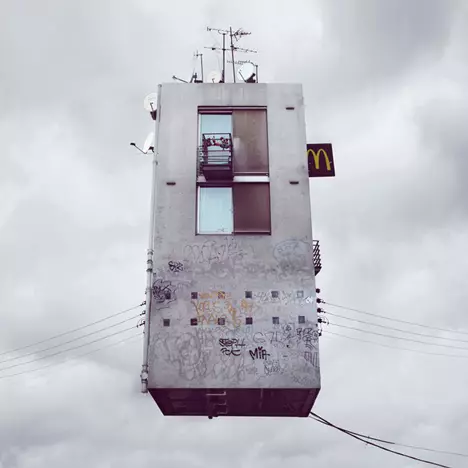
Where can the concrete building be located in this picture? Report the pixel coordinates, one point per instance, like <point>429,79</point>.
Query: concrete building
<point>232,328</point>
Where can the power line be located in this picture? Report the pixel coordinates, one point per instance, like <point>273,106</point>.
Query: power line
<point>32,353</point>
<point>327,332</point>
<point>71,331</point>
<point>66,350</point>
<point>321,420</point>
<point>395,320</point>
<point>395,329</point>
<point>53,364</point>
<point>398,337</point>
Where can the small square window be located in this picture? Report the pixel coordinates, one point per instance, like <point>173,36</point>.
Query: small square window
<point>221,295</point>
<point>299,294</point>
<point>167,322</point>
<point>167,294</point>
<point>221,321</point>
<point>275,294</point>
<point>301,318</point>
<point>193,321</point>
<point>248,294</point>
<point>248,320</point>
<point>275,320</point>
<point>194,295</point>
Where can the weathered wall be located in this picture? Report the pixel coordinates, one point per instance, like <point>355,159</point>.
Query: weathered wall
<point>206,277</point>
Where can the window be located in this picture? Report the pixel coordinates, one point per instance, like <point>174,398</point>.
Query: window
<point>215,210</point>
<point>233,182</point>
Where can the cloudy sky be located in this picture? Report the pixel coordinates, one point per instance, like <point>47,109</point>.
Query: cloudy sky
<point>386,81</point>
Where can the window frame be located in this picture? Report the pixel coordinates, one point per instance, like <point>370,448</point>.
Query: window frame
<point>239,178</point>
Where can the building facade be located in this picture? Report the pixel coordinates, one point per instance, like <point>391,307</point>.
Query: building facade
<point>232,328</point>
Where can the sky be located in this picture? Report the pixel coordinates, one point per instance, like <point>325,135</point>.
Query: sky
<point>385,81</point>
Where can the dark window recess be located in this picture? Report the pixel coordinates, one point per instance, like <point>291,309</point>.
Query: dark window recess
<point>221,295</point>
<point>167,322</point>
<point>275,320</point>
<point>249,128</point>
<point>248,294</point>
<point>275,294</point>
<point>193,321</point>
<point>251,202</point>
<point>301,319</point>
<point>300,294</point>
<point>194,295</point>
<point>221,321</point>
<point>248,320</point>
<point>167,294</point>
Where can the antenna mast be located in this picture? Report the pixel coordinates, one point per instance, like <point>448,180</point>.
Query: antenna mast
<point>234,36</point>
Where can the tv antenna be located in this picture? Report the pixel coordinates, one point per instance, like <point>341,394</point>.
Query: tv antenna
<point>234,36</point>
<point>197,54</point>
<point>147,146</point>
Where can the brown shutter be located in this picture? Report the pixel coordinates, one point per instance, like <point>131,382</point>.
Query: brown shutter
<point>250,142</point>
<point>251,202</point>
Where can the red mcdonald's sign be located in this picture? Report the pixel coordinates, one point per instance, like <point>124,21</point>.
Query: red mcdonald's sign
<point>320,160</point>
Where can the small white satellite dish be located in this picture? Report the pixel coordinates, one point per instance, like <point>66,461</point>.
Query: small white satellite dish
<point>149,143</point>
<point>214,77</point>
<point>150,102</point>
<point>247,71</point>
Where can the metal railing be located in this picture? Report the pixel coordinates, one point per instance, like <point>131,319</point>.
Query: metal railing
<point>215,151</point>
<point>316,256</point>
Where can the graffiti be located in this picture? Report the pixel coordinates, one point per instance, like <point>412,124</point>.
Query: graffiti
<point>175,267</point>
<point>213,252</point>
<point>212,306</point>
<point>163,292</point>
<point>231,346</point>
<point>259,353</point>
<point>282,297</point>
<point>309,336</point>
<point>312,358</point>
<point>272,367</point>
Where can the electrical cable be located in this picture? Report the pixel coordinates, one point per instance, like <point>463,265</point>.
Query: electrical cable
<point>32,353</point>
<point>40,358</point>
<point>395,329</point>
<point>72,331</point>
<point>328,332</point>
<point>394,319</point>
<point>321,420</point>
<point>68,358</point>
<point>398,337</point>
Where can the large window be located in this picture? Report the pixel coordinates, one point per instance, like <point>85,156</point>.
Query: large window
<point>243,208</point>
<point>240,205</point>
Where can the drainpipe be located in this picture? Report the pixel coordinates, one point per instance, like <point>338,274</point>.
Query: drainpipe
<point>150,252</point>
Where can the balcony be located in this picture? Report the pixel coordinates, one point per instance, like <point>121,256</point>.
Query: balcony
<point>215,157</point>
<point>316,256</point>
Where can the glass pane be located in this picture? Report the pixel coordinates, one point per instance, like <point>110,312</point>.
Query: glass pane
<point>252,208</point>
<point>250,133</point>
<point>217,130</point>
<point>215,210</point>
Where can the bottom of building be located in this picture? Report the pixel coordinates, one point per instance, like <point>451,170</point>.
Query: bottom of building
<point>267,402</point>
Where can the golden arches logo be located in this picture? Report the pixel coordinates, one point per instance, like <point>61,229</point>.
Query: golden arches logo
<point>316,156</point>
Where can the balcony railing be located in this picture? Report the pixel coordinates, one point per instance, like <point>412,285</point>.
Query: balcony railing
<point>215,156</point>
<point>316,256</point>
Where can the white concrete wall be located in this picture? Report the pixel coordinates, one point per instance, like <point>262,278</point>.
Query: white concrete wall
<point>193,356</point>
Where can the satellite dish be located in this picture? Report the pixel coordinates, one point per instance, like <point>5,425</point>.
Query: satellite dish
<point>149,143</point>
<point>247,72</point>
<point>150,103</point>
<point>215,77</point>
